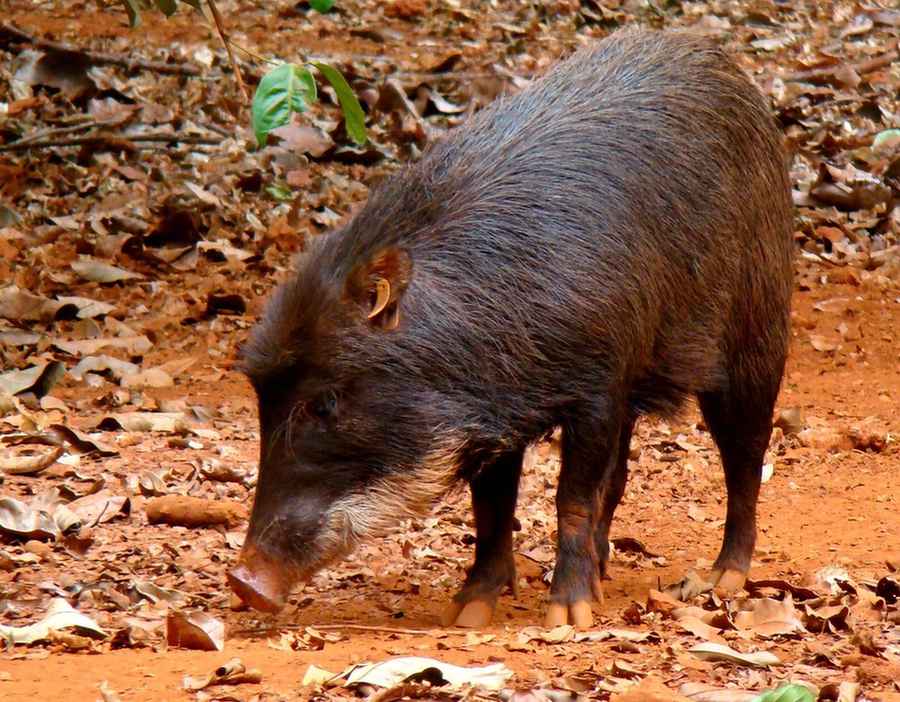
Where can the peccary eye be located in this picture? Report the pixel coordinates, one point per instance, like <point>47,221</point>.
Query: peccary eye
<point>324,406</point>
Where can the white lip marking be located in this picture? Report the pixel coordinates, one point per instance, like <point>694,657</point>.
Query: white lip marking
<point>379,508</point>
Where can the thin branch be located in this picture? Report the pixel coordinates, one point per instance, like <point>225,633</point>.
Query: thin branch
<point>54,131</point>
<point>828,74</point>
<point>340,627</point>
<point>113,139</point>
<point>12,33</point>
<point>227,44</point>
<point>251,54</point>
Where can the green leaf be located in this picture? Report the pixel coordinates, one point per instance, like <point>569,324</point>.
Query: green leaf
<point>886,139</point>
<point>321,5</point>
<point>787,693</point>
<point>354,118</point>
<point>133,8</point>
<point>281,92</point>
<point>281,192</point>
<point>167,7</point>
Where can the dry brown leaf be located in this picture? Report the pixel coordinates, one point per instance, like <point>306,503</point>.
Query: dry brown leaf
<point>767,617</point>
<point>701,629</point>
<point>168,422</point>
<point>718,652</point>
<point>132,345</point>
<point>195,630</point>
<point>98,271</point>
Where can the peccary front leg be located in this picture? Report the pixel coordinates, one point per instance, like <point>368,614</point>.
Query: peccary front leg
<point>494,491</point>
<point>590,450</point>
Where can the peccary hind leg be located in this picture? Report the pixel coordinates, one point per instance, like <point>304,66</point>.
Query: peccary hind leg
<point>740,421</point>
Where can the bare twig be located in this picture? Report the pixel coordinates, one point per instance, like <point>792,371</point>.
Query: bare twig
<point>251,54</point>
<point>13,33</point>
<point>53,132</point>
<point>100,516</point>
<point>112,139</point>
<point>213,127</point>
<point>818,75</point>
<point>340,627</point>
<point>227,44</point>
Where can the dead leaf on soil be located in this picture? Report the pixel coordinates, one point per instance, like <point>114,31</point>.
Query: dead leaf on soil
<point>81,443</point>
<point>100,507</point>
<point>696,512</point>
<point>224,249</point>
<point>60,615</point>
<point>701,629</point>
<point>116,368</point>
<point>169,422</point>
<point>22,306</point>
<point>195,630</point>
<point>24,460</point>
<point>888,589</point>
<point>203,195</point>
<point>566,633</point>
<point>132,345</point>
<point>87,308</point>
<point>108,694</point>
<point>832,580</point>
<point>213,469</point>
<point>100,272</point>
<point>233,672</point>
<point>149,378</point>
<point>718,652</point>
<point>155,593</point>
<point>821,344</point>
<point>701,692</point>
<point>19,338</point>
<point>767,617</point>
<point>20,520</point>
<point>318,677</point>
<point>691,585</point>
<point>309,639</point>
<point>151,484</point>
<point>628,544</point>
<point>663,602</point>
<point>304,139</point>
<point>38,379</point>
<point>67,72</point>
<point>411,668</point>
<point>832,618</point>
<point>790,420</point>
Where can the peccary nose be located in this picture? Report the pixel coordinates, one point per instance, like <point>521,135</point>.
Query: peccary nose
<point>259,581</point>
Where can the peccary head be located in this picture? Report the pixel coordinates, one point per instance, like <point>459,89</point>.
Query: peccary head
<point>354,435</point>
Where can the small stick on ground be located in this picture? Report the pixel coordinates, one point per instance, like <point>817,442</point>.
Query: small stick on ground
<point>818,75</point>
<point>53,132</point>
<point>340,627</point>
<point>12,33</point>
<point>220,28</point>
<point>112,139</point>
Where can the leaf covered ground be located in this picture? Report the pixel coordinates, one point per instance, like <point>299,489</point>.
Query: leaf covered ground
<point>140,233</point>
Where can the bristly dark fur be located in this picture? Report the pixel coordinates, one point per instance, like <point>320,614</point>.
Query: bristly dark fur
<point>612,194</point>
<point>606,243</point>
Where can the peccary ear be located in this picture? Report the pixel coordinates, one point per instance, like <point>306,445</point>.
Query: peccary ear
<point>378,285</point>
